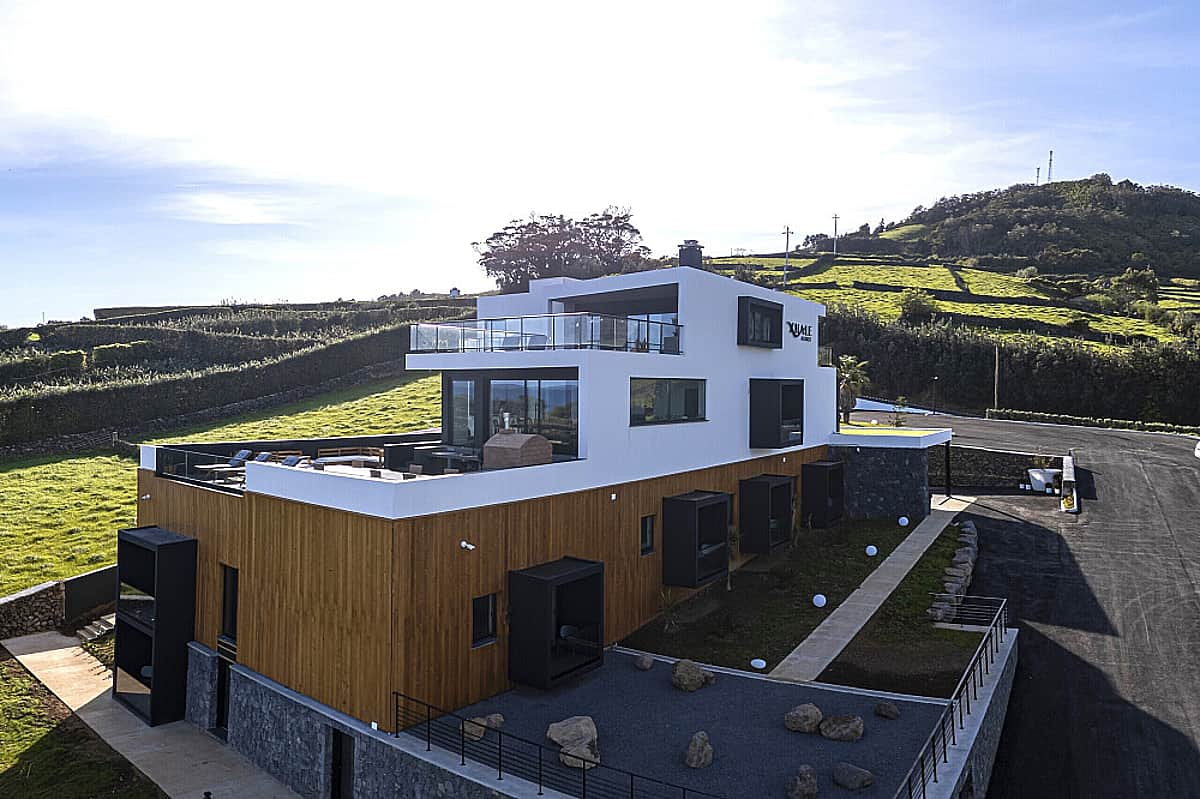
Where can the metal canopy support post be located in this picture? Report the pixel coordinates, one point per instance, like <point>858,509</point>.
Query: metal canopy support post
<point>948,480</point>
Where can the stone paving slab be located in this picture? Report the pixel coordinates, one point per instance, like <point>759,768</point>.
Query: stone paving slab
<point>183,761</point>
<point>824,644</point>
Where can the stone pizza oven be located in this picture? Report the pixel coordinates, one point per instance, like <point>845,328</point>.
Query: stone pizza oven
<point>508,448</point>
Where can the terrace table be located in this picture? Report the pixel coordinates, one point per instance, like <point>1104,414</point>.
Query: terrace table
<point>451,457</point>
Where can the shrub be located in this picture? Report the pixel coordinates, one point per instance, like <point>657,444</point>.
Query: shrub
<point>1027,272</point>
<point>72,360</point>
<point>1102,302</point>
<point>916,306</point>
<point>123,354</point>
<point>1150,311</point>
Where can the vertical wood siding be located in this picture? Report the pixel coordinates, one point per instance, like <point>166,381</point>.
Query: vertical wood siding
<point>347,608</point>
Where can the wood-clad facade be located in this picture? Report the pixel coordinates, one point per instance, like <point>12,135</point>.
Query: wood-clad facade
<point>347,608</point>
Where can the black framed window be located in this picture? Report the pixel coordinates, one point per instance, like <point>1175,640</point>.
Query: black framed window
<point>647,534</point>
<point>229,602</point>
<point>760,323</point>
<point>483,620</point>
<point>659,400</point>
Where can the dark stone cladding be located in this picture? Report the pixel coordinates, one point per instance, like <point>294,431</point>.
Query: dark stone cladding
<point>289,735</point>
<point>885,482</point>
<point>201,686</point>
<point>33,610</point>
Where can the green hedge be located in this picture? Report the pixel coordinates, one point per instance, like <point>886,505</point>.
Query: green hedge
<point>1090,421</point>
<point>64,360</point>
<point>59,410</point>
<point>1153,381</point>
<point>193,347</point>
<point>124,354</point>
<point>27,365</point>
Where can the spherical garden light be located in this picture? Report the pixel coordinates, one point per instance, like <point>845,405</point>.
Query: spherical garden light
<point>872,550</point>
<point>903,521</point>
<point>758,663</point>
<point>819,600</point>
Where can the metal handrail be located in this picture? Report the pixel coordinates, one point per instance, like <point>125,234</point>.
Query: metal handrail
<point>924,770</point>
<point>604,781</point>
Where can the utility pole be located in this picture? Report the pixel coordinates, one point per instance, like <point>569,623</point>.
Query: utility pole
<point>835,220</point>
<point>1037,181</point>
<point>996,381</point>
<point>1050,168</point>
<point>787,252</point>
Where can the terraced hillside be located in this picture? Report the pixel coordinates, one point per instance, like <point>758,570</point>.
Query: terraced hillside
<point>1001,303</point>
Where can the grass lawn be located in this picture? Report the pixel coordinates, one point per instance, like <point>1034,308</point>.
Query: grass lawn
<point>59,514</point>
<point>862,429</point>
<point>46,751</point>
<point>899,649</point>
<point>770,611</point>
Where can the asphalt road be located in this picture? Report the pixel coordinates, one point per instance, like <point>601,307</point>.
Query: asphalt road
<point>1107,695</point>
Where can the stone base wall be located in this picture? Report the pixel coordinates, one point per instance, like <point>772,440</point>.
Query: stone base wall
<point>978,769</point>
<point>971,467</point>
<point>201,686</point>
<point>34,610</point>
<point>290,736</point>
<point>885,482</point>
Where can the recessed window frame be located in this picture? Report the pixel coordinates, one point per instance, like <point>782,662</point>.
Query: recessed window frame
<point>646,527</point>
<point>760,323</point>
<point>487,615</point>
<point>229,603</point>
<point>673,384</point>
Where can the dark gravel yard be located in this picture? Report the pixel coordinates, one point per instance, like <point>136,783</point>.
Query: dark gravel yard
<point>645,724</point>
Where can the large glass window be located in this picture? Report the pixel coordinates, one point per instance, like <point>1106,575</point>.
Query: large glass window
<point>658,400</point>
<point>462,412</point>
<point>548,408</point>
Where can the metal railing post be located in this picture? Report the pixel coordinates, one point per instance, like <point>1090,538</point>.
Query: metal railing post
<point>539,770</point>
<point>583,772</point>
<point>499,755</point>
<point>462,742</point>
<point>428,729</point>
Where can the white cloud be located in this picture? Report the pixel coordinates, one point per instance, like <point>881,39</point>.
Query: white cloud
<point>716,120</point>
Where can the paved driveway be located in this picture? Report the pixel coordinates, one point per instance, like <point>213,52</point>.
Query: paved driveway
<point>1107,697</point>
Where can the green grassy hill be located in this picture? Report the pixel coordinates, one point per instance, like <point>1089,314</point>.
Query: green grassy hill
<point>1002,303</point>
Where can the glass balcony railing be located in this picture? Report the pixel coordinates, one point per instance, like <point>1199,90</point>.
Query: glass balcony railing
<point>571,331</point>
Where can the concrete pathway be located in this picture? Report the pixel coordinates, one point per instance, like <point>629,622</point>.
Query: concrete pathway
<point>818,650</point>
<point>181,759</point>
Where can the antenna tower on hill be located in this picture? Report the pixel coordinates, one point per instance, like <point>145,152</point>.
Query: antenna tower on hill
<point>1050,168</point>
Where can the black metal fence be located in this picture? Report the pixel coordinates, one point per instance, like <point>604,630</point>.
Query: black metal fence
<point>512,756</point>
<point>991,612</point>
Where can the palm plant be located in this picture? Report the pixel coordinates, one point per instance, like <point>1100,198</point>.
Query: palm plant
<point>852,380</point>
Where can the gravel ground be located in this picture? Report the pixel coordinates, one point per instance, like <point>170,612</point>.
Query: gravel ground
<point>645,724</point>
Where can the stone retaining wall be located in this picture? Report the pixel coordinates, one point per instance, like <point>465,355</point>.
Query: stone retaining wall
<point>884,482</point>
<point>34,610</point>
<point>971,467</point>
<point>290,736</point>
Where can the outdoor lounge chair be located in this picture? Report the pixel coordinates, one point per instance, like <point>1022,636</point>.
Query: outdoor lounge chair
<point>240,457</point>
<point>291,460</point>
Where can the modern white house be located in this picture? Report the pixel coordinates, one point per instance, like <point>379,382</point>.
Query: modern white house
<point>600,440</point>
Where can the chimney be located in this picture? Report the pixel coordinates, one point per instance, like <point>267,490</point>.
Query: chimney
<point>691,254</point>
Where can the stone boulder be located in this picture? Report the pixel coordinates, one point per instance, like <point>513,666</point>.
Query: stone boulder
<point>579,741</point>
<point>643,663</point>
<point>699,752</point>
<point>941,612</point>
<point>851,776</point>
<point>473,729</point>
<point>803,718</point>
<point>968,526</point>
<point>688,676</point>
<point>842,728</point>
<point>803,784</point>
<point>887,710</point>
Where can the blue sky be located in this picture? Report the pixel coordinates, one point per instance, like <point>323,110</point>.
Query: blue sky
<point>153,153</point>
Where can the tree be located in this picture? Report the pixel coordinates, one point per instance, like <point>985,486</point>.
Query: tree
<point>916,306</point>
<point>852,380</point>
<point>604,243</point>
